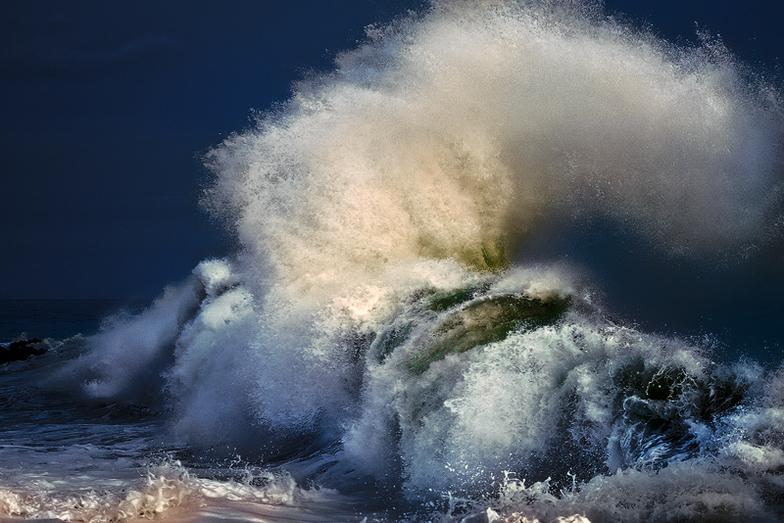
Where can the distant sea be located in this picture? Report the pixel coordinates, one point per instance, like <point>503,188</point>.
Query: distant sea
<point>59,319</point>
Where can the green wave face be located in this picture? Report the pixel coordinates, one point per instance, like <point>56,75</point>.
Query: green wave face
<point>466,318</point>
<point>486,320</point>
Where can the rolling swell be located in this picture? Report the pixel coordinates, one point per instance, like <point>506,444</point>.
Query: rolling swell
<point>372,328</point>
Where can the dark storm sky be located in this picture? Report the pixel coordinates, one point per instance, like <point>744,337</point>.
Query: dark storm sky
<point>106,106</point>
<point>104,109</point>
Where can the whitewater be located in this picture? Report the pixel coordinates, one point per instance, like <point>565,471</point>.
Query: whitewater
<point>382,344</point>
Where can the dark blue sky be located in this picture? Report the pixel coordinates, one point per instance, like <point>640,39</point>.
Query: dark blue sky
<point>105,108</point>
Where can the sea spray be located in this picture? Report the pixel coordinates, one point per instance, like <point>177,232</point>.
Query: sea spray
<point>447,137</point>
<point>125,360</point>
<point>372,331</point>
<point>452,135</point>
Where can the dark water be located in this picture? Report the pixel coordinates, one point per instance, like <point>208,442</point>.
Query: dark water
<point>59,319</point>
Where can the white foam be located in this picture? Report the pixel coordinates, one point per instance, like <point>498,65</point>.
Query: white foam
<point>451,135</point>
<point>166,489</point>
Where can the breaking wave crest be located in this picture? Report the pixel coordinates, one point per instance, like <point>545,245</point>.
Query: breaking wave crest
<point>452,135</point>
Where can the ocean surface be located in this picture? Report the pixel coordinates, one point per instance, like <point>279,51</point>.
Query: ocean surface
<point>508,262</point>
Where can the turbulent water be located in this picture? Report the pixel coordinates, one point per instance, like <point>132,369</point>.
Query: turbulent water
<point>378,349</point>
